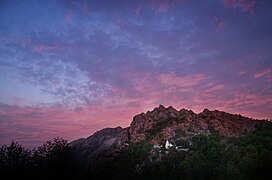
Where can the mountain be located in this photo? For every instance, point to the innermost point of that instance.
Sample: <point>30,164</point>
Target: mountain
<point>166,143</point>
<point>162,144</point>
<point>163,124</point>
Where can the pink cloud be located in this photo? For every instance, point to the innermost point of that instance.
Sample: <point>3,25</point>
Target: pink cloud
<point>41,124</point>
<point>214,88</point>
<point>164,6</point>
<point>167,89</point>
<point>220,25</point>
<point>242,72</point>
<point>266,72</point>
<point>161,7</point>
<point>248,5</point>
<point>231,3</point>
<point>44,47</point>
<point>180,81</point>
<point>38,124</point>
<point>243,99</point>
<point>26,42</point>
<point>245,5</point>
<point>237,102</point>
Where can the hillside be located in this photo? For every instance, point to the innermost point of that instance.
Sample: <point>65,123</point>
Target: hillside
<point>212,144</point>
<point>163,124</point>
<point>160,144</point>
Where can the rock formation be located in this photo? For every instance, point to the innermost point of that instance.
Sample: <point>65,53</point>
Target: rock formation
<point>162,124</point>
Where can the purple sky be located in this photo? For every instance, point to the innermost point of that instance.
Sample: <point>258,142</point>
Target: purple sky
<point>69,68</point>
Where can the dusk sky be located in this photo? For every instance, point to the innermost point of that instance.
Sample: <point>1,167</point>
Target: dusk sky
<point>70,68</point>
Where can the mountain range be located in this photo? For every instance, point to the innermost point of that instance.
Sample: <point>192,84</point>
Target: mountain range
<point>163,124</point>
<point>164,143</point>
<point>209,136</point>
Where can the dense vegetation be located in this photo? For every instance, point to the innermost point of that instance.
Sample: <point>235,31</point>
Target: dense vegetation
<point>46,162</point>
<point>210,157</point>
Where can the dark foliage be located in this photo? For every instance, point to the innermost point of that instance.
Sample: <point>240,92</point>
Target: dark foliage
<point>14,160</point>
<point>46,162</point>
<point>209,157</point>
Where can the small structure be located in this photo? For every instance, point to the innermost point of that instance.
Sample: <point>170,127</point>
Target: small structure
<point>168,145</point>
<point>180,148</point>
<point>156,146</point>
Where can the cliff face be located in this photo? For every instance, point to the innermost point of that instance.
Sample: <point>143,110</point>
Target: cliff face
<point>167,123</point>
<point>162,124</point>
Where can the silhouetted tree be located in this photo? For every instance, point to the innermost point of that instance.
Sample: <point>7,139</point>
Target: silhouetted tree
<point>46,162</point>
<point>50,159</point>
<point>14,160</point>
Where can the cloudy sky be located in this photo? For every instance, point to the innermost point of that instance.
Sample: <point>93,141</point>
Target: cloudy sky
<point>69,68</point>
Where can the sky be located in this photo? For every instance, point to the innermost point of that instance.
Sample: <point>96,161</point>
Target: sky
<point>70,68</point>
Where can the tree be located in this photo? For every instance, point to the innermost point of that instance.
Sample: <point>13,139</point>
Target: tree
<point>14,160</point>
<point>50,159</point>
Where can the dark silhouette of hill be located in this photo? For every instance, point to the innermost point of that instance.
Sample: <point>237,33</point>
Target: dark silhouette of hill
<point>161,144</point>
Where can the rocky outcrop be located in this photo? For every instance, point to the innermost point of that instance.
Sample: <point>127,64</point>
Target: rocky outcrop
<point>163,124</point>
<point>168,123</point>
<point>227,124</point>
<point>145,125</point>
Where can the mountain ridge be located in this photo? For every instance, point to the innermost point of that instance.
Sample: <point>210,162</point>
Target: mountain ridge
<point>164,143</point>
<point>163,124</point>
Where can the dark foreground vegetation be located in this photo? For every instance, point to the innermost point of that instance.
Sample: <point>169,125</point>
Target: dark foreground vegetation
<point>210,157</point>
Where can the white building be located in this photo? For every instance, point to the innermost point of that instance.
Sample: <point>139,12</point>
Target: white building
<point>168,145</point>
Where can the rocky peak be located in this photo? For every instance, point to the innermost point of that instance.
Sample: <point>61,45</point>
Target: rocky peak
<point>171,109</point>
<point>160,108</point>
<point>206,110</point>
<point>144,123</point>
<point>163,124</point>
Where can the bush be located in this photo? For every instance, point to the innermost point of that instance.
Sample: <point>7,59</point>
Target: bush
<point>45,162</point>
